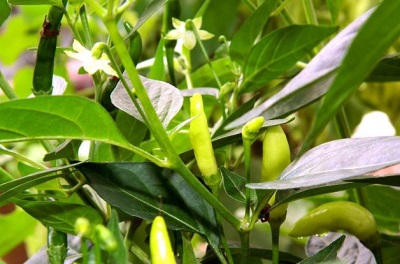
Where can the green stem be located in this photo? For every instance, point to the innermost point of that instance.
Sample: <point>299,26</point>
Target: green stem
<point>203,8</point>
<point>18,156</point>
<point>6,88</point>
<point>275,228</point>
<point>310,12</point>
<point>245,240</point>
<point>247,165</point>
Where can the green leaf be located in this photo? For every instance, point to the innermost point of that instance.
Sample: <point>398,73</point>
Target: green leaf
<point>16,227</point>
<point>386,215</point>
<point>153,7</point>
<point>68,149</point>
<point>157,71</point>
<point>60,215</point>
<point>337,161</point>
<point>144,190</point>
<point>334,10</point>
<point>58,117</point>
<point>329,253</point>
<point>244,38</point>
<point>387,70</point>
<point>166,99</point>
<point>311,83</point>
<point>57,3</point>
<point>121,254</point>
<point>279,51</point>
<point>14,187</point>
<point>5,11</point>
<point>359,61</point>
<point>234,185</point>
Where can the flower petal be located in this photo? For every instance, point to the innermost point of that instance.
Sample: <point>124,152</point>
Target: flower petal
<point>173,34</point>
<point>59,85</point>
<point>77,46</point>
<point>189,39</point>
<point>177,23</point>
<point>205,34</point>
<point>197,22</point>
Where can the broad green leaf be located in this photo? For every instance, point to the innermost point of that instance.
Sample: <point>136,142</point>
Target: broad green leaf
<point>5,11</point>
<point>58,117</point>
<point>386,215</point>
<point>121,254</point>
<point>15,227</point>
<point>328,253</point>
<point>234,185</point>
<point>279,51</point>
<point>144,190</point>
<point>337,161</point>
<point>157,71</point>
<point>57,3</point>
<point>166,99</point>
<point>60,215</point>
<point>245,37</point>
<point>311,83</point>
<point>387,70</point>
<point>152,8</point>
<point>359,61</point>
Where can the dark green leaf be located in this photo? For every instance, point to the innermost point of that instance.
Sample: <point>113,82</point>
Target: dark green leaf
<point>188,255</point>
<point>14,187</point>
<point>145,191</point>
<point>234,185</point>
<point>337,161</point>
<point>244,38</point>
<point>387,70</point>
<point>60,215</point>
<point>371,42</point>
<point>5,11</point>
<point>329,253</point>
<point>121,254</point>
<point>311,83</point>
<point>334,10</point>
<point>279,51</point>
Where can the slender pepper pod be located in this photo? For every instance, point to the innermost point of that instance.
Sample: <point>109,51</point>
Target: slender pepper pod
<point>201,142</point>
<point>43,72</point>
<point>276,153</point>
<point>276,157</point>
<point>160,245</point>
<point>106,238</point>
<point>334,216</point>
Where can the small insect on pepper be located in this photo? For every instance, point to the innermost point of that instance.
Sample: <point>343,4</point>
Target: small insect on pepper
<point>160,245</point>
<point>201,142</point>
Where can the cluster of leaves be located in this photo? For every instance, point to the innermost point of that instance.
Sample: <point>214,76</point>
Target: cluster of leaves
<point>139,145</point>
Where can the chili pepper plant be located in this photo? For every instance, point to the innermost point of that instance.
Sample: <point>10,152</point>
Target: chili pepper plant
<point>231,123</point>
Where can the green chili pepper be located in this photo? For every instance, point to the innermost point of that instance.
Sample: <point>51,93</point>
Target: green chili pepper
<point>43,72</point>
<point>334,216</point>
<point>251,129</point>
<point>160,245</point>
<point>56,246</point>
<point>276,153</point>
<point>201,142</point>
